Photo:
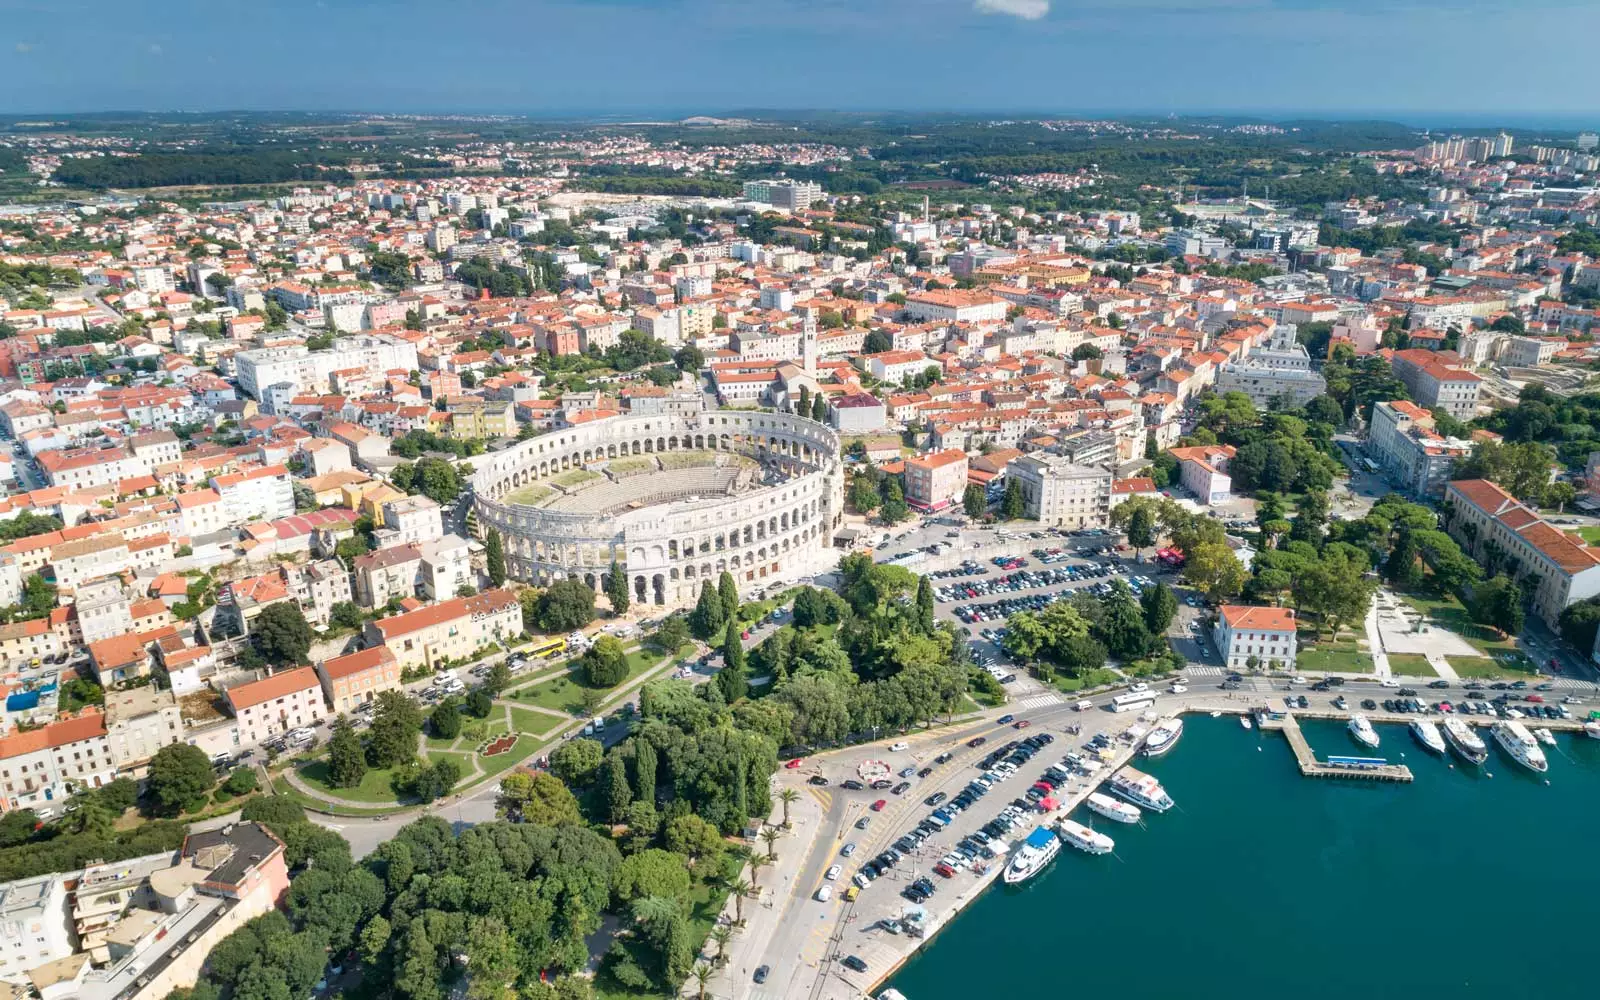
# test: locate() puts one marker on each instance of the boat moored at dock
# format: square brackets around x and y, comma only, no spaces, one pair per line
[1141,789]
[1037,851]
[1520,745]
[1591,729]
[1361,730]
[1085,839]
[1467,744]
[1110,808]
[1163,737]
[1426,733]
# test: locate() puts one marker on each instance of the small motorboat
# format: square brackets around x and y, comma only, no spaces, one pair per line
[1244,720]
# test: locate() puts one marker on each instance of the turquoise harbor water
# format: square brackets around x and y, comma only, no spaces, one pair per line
[1262,883]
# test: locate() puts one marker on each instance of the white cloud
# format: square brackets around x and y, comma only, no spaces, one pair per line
[24,47]
[155,49]
[1028,10]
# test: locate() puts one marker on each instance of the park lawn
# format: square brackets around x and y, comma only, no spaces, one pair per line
[1092,679]
[1339,659]
[1447,613]
[462,759]
[438,743]
[1411,665]
[565,694]
[495,727]
[375,784]
[526,720]
[282,788]
[1591,534]
[1512,665]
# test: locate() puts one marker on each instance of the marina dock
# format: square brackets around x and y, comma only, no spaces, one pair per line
[1334,767]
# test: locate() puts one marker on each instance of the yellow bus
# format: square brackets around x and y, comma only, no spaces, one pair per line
[548,649]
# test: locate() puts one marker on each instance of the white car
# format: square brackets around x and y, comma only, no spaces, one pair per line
[832,873]
[1388,682]
[898,747]
[824,893]
[1177,689]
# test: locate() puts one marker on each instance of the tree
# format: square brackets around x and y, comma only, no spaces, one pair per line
[1580,622]
[894,509]
[728,593]
[924,605]
[241,781]
[1498,602]
[1012,505]
[689,358]
[863,494]
[576,761]
[672,633]
[974,502]
[819,408]
[787,797]
[617,588]
[180,776]
[345,614]
[392,737]
[732,680]
[707,617]
[495,555]
[1212,567]
[876,342]
[538,798]
[347,761]
[1086,352]
[769,836]
[1311,518]
[435,781]
[498,678]
[445,720]
[1142,528]
[436,478]
[566,605]
[644,771]
[614,789]
[281,634]
[803,406]
[605,663]
[1160,604]
[652,872]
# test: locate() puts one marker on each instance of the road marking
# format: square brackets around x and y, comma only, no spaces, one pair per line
[1197,671]
[1039,701]
[824,797]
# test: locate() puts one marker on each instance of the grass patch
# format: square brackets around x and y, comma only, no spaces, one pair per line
[1334,658]
[464,760]
[1411,665]
[281,786]
[375,784]
[1505,664]
[1590,533]
[438,743]
[565,694]
[573,477]
[1447,613]
[530,494]
[1093,679]
[526,720]
[626,465]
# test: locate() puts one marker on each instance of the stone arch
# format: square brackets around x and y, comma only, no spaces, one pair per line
[658,585]
[639,587]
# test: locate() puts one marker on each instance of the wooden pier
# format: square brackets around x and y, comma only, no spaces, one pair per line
[1311,767]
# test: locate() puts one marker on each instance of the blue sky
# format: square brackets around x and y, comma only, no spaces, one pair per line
[1379,57]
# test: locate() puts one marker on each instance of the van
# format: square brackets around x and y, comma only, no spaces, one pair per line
[1083,705]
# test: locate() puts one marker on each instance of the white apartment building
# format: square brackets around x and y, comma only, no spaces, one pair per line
[412,519]
[1436,381]
[40,768]
[1057,491]
[1529,352]
[266,493]
[103,610]
[35,927]
[1266,634]
[304,369]
[1557,569]
[1413,456]
[274,705]
[139,722]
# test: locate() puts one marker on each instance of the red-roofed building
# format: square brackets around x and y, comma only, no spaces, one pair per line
[448,630]
[1503,535]
[1264,635]
[36,765]
[1203,471]
[274,705]
[936,480]
[355,679]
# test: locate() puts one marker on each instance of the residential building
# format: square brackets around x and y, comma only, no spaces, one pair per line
[936,480]
[1557,570]
[1264,635]
[1529,352]
[103,610]
[35,926]
[858,413]
[42,766]
[139,722]
[1437,381]
[1412,454]
[786,195]
[1059,492]
[387,573]
[1203,471]
[274,705]
[305,369]
[266,493]
[354,679]
[449,630]
[411,519]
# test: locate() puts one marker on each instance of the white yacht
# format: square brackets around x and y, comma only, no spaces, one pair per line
[1363,732]
[1083,838]
[1516,741]
[1163,737]
[1037,851]
[1110,808]
[1141,789]
[1426,732]
[1591,729]
[1465,741]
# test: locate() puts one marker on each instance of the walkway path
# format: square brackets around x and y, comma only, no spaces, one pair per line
[1380,659]
[1441,666]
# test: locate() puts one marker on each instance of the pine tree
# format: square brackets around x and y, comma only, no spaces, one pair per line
[734,680]
[804,409]
[705,621]
[819,409]
[495,553]
[728,592]
[925,605]
[894,507]
[617,793]
[974,501]
[644,771]
[617,588]
[1013,506]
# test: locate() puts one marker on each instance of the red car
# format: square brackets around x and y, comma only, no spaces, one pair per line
[1535,697]
[794,763]
[1021,724]
[877,806]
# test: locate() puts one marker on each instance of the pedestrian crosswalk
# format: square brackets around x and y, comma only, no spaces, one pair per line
[1039,701]
[1194,671]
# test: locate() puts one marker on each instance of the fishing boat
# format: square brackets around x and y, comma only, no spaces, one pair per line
[1037,851]
[1520,745]
[1110,808]
[1363,732]
[1163,737]
[1085,839]
[1426,733]
[1141,789]
[1467,744]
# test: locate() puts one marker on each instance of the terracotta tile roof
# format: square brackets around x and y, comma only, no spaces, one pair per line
[459,607]
[242,696]
[56,734]
[1240,616]
[354,663]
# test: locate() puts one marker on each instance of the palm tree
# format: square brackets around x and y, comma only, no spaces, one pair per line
[787,796]
[740,889]
[702,973]
[770,836]
[756,864]
[722,934]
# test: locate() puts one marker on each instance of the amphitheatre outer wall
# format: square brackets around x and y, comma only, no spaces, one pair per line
[763,535]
